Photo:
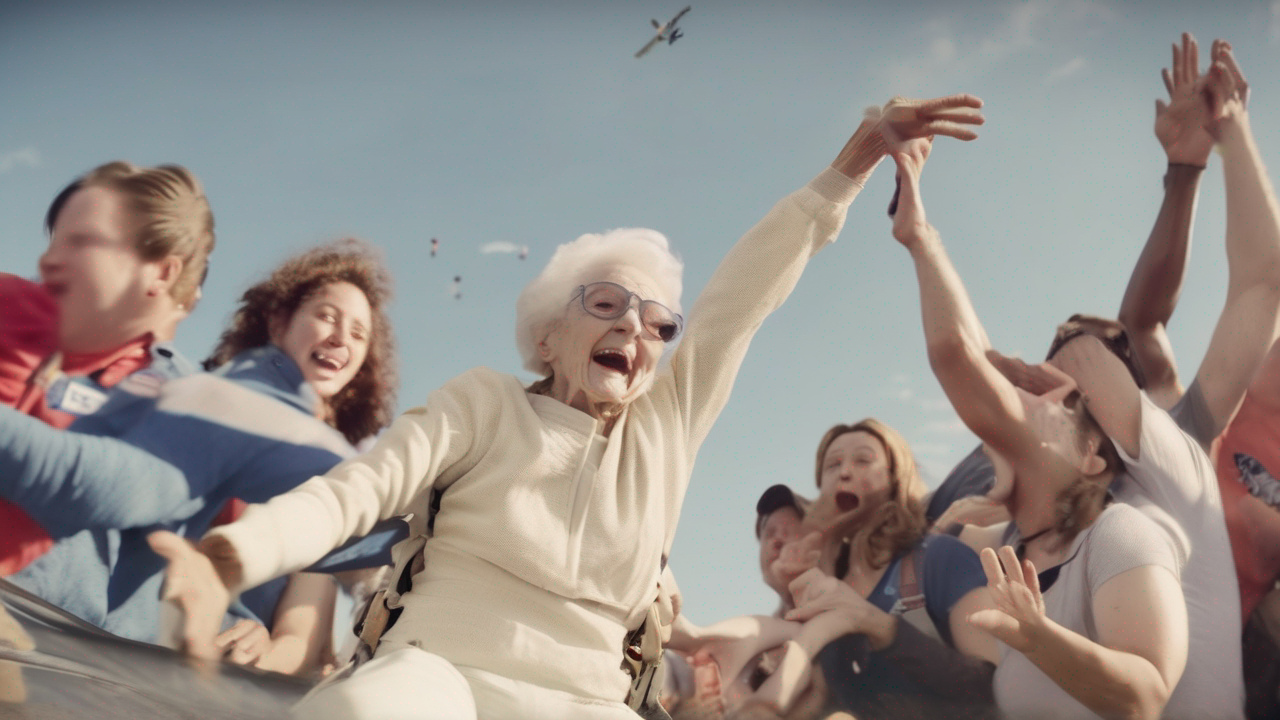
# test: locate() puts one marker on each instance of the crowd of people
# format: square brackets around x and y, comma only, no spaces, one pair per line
[1111,550]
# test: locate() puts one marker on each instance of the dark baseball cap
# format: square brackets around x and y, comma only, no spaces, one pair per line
[774,499]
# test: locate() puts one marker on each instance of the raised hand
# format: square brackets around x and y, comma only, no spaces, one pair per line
[909,223]
[887,130]
[246,643]
[1226,93]
[1040,380]
[1180,123]
[192,583]
[1018,617]
[903,120]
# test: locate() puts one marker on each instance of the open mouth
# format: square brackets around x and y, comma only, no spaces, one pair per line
[615,360]
[327,361]
[847,501]
[56,289]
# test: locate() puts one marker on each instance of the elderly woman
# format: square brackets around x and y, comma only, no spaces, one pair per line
[559,501]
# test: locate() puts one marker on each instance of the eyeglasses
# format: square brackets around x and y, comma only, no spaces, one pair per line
[610,301]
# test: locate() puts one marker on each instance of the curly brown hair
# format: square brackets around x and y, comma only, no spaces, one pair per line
[896,526]
[367,403]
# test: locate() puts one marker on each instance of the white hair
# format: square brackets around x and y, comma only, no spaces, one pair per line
[544,300]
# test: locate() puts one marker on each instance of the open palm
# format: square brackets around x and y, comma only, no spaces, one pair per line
[1180,123]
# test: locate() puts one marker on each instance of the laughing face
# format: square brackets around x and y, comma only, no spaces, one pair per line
[598,361]
[328,336]
[855,475]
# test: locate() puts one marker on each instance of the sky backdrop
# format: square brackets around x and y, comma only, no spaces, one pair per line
[533,123]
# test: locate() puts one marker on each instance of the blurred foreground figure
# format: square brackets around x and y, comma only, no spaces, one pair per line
[128,251]
[304,369]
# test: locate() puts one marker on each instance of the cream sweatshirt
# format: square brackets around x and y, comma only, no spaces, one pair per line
[547,545]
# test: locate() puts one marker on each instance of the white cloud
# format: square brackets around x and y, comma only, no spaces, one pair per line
[1062,72]
[900,387]
[28,156]
[1023,26]
[944,48]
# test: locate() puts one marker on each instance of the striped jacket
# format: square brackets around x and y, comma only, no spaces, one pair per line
[158,455]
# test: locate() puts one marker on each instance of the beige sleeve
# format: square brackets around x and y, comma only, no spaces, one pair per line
[751,282]
[294,530]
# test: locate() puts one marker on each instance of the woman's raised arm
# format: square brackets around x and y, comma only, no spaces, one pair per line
[761,270]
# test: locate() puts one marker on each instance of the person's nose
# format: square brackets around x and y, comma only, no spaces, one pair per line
[50,260]
[629,323]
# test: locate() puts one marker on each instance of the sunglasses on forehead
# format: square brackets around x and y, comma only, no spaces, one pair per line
[610,301]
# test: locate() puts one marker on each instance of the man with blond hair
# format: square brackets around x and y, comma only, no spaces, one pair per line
[128,250]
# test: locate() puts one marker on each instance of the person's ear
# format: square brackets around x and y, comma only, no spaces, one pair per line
[1093,464]
[167,272]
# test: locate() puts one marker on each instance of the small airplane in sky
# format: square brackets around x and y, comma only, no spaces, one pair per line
[667,31]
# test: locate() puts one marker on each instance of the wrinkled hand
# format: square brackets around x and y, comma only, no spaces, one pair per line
[903,120]
[246,643]
[1018,618]
[1225,90]
[977,510]
[888,130]
[1180,123]
[798,556]
[192,583]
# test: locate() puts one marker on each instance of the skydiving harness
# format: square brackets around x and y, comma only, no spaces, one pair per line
[910,605]
[641,648]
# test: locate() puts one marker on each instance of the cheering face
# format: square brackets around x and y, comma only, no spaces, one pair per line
[94,272]
[781,527]
[855,475]
[606,360]
[328,336]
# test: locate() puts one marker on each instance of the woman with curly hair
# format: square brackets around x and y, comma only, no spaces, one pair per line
[305,370]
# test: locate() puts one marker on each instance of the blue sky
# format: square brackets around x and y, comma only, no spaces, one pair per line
[399,122]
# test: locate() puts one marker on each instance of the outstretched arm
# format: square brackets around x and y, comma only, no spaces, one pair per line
[1153,289]
[761,270]
[956,341]
[1246,329]
[68,481]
